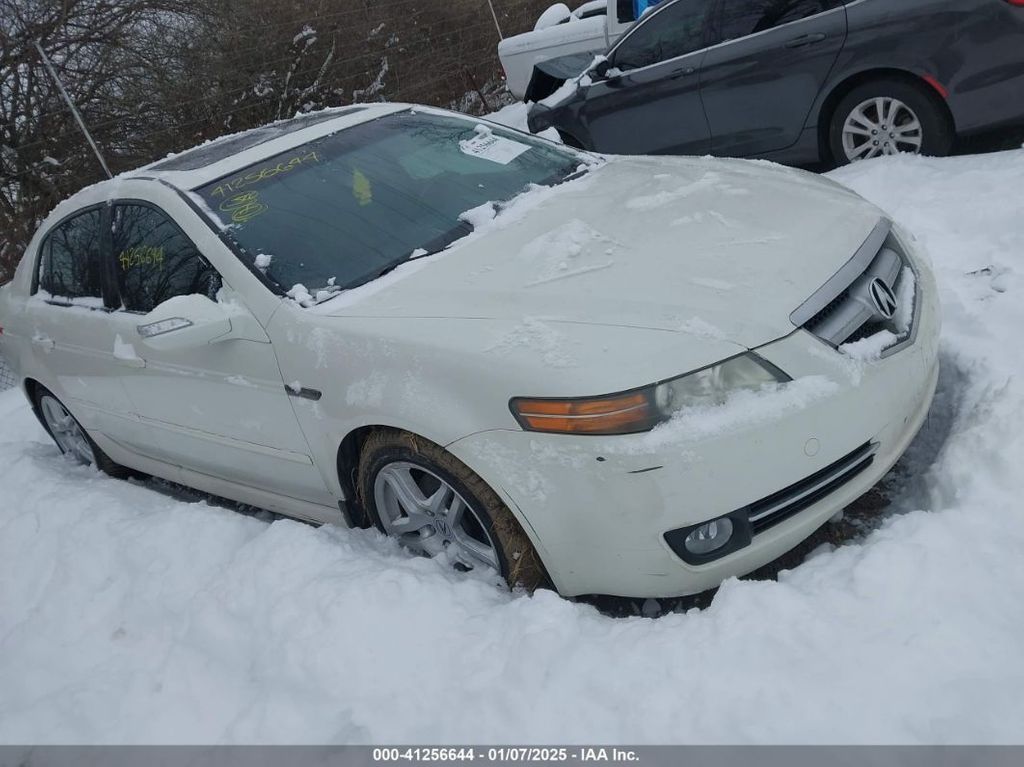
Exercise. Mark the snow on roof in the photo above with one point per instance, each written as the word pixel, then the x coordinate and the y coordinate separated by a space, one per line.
pixel 227 154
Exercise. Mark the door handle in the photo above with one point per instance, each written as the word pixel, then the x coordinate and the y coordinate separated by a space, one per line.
pixel 800 42
pixel 130 362
pixel 43 342
pixel 685 71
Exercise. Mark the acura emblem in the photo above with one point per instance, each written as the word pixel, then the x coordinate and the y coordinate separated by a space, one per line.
pixel 883 298
pixel 443 529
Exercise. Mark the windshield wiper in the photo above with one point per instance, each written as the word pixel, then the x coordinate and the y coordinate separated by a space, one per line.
pixel 578 173
pixel 436 245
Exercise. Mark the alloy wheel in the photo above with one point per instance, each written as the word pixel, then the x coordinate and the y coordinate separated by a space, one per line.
pixel 66 431
pixel 429 517
pixel 881 126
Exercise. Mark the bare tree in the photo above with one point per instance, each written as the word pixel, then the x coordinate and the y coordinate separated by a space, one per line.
pixel 154 76
pixel 100 48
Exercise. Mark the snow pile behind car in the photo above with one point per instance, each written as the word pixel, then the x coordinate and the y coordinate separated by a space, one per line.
pixel 129 615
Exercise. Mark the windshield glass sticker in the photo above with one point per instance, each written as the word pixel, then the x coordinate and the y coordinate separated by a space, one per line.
pixel 487 146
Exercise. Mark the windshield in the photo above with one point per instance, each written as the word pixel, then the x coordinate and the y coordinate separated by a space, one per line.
pixel 344 209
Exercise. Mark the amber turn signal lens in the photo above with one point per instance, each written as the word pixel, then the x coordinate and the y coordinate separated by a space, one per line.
pixel 618 414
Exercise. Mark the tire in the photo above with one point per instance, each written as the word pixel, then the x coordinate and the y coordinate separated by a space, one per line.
pixel 390 458
pixel 69 435
pixel 858 112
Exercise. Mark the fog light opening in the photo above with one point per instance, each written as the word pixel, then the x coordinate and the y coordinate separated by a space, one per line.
pixel 709 537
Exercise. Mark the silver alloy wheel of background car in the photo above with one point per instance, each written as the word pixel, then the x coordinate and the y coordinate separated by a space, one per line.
pixel 429 517
pixel 881 126
pixel 66 431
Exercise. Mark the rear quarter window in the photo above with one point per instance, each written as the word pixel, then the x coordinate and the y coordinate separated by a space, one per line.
pixel 70 258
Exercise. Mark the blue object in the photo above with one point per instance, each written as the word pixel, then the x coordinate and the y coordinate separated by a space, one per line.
pixel 639 6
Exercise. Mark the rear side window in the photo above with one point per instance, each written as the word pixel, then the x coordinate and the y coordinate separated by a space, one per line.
pixel 70 266
pixel 739 18
pixel 675 30
pixel 155 261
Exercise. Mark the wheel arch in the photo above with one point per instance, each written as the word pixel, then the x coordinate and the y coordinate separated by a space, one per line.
pixel 348 460
pixel 347 463
pixel 840 89
pixel 32 387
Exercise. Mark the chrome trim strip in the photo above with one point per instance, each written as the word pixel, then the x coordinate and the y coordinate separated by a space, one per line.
pixel 851 462
pixel 661 6
pixel 845 277
pixel 237 444
pixel 915 321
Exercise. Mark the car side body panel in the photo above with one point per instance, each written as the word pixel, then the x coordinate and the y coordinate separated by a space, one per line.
pixel 971 49
pixel 222 410
pixel 662 101
pixel 776 75
pixel 967 53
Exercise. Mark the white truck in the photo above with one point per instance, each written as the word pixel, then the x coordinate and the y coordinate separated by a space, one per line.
pixel 563 43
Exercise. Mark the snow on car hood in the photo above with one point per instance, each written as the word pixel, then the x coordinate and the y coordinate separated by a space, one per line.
pixel 721 249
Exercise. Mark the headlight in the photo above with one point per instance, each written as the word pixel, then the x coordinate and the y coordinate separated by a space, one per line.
pixel 712 385
pixel 643 409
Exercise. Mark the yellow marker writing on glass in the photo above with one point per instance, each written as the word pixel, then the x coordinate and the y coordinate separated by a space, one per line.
pixel 244 207
pixel 141 255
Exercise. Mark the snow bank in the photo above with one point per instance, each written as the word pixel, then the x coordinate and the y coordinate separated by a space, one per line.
pixel 130 615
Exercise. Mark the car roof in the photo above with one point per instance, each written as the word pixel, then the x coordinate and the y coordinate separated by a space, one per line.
pixel 225 155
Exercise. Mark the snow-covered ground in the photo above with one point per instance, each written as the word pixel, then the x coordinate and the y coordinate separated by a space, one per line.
pixel 130 615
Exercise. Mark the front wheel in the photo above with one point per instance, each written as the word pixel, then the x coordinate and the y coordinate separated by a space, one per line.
pixel 887 117
pixel 434 505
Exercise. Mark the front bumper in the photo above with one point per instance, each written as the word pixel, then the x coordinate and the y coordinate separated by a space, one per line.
pixel 598 508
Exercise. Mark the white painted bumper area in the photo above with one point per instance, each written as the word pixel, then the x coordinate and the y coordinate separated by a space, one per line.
pixel 599 525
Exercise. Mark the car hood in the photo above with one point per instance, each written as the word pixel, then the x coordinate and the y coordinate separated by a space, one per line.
pixel 723 249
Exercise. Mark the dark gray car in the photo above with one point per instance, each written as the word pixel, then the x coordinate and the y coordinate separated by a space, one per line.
pixel 799 81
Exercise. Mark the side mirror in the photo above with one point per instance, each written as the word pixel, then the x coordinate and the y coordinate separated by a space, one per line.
pixel 600 70
pixel 185 322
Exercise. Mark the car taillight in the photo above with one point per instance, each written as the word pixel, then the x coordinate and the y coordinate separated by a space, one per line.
pixel 1018 3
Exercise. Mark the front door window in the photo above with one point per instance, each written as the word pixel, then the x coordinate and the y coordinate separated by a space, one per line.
pixel 674 31
pixel 155 261
pixel 740 18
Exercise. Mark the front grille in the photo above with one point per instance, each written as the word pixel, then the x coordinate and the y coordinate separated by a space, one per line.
pixel 842 310
pixel 792 500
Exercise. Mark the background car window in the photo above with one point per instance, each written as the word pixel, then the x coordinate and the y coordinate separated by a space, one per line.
pixel 155 261
pixel 675 30
pixel 631 10
pixel 739 18
pixel 71 258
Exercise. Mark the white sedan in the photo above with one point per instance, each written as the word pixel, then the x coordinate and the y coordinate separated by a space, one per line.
pixel 628 376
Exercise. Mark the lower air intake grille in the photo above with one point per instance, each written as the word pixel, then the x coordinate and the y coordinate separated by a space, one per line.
pixel 785 503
